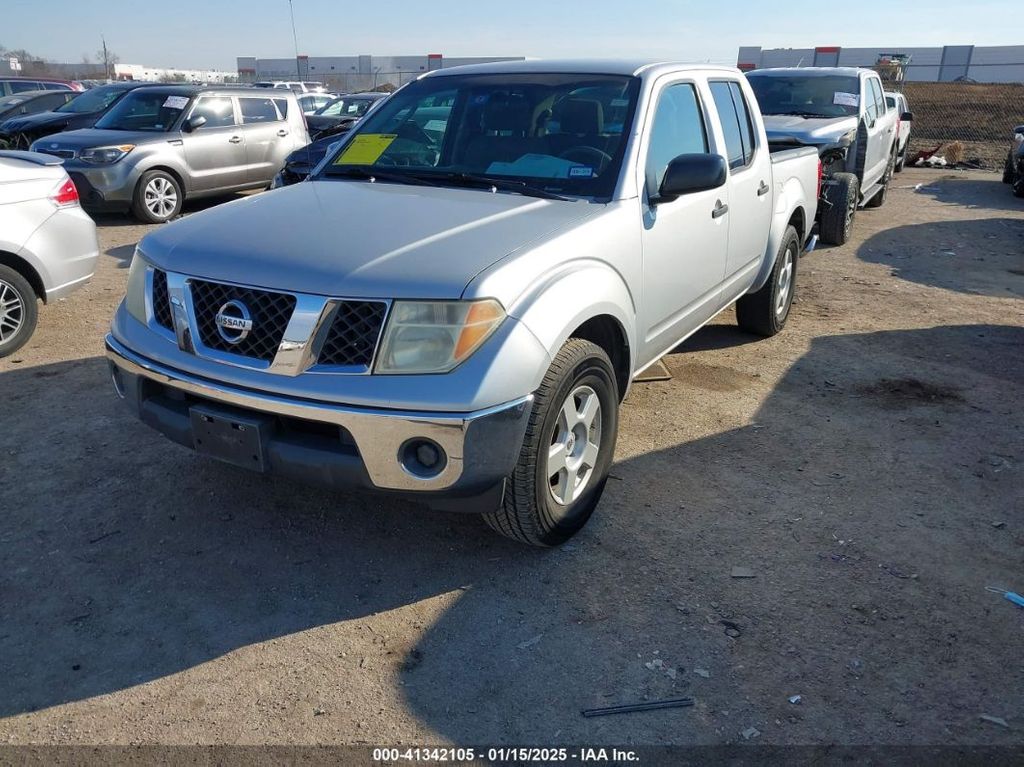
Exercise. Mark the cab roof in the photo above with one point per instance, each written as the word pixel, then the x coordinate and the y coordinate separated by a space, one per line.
pixel 628 67
pixel 811 71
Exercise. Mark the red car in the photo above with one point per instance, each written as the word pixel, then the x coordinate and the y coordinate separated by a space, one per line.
pixel 11 85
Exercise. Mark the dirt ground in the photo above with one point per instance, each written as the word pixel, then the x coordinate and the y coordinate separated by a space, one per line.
pixel 865 465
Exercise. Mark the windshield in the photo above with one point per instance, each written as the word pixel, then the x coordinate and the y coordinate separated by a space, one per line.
pixel 95 100
pixel 549 133
pixel 807 96
pixel 345 107
pixel 144 110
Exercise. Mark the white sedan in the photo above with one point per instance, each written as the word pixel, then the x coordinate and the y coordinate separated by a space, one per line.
pixel 48 245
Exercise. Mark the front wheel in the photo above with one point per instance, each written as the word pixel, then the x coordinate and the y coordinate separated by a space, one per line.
pixel 764 313
pixel 570 440
pixel 841 195
pixel 157 197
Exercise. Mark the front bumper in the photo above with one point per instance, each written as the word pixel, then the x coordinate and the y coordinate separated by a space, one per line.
pixel 104 187
pixel 337 445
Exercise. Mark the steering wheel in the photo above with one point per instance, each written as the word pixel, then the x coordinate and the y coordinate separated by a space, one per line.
pixel 586 156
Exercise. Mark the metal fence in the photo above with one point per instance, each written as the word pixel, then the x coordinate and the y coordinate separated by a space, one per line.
pixel 968 123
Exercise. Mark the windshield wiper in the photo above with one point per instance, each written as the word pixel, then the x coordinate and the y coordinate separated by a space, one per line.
pixel 372 174
pixel 505 184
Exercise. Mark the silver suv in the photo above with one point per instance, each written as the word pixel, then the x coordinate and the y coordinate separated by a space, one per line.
pixel 162 144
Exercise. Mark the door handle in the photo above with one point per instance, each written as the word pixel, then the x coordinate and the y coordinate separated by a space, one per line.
pixel 235 139
pixel 763 189
pixel 282 133
pixel 720 210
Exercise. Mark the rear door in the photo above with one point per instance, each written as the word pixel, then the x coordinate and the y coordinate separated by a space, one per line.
pixel 215 153
pixel 750 178
pixel 684 241
pixel 267 141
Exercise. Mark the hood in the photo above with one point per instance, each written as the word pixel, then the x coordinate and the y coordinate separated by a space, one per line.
pixel 34 123
pixel 309 156
pixel 358 239
pixel 318 123
pixel 91 137
pixel 807 130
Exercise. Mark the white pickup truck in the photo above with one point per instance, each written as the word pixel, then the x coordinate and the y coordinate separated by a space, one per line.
pixel 453 306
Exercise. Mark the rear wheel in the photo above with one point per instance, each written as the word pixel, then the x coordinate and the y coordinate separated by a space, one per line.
pixel 840 196
pixel 157 197
pixel 765 312
pixel 1008 169
pixel 18 311
pixel 570 440
pixel 901 159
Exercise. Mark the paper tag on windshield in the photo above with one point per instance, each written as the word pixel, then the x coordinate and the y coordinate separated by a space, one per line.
pixel 365 149
pixel 846 99
pixel 176 102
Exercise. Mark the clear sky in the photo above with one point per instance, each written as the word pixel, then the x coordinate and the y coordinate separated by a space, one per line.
pixel 195 34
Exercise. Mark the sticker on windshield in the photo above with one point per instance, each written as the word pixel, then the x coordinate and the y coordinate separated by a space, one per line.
pixel 176 102
pixel 846 99
pixel 581 171
pixel 365 149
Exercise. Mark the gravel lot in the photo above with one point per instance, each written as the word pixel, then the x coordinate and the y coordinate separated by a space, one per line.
pixel 865 465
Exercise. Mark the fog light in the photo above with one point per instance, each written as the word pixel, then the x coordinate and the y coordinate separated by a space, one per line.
pixel 423 458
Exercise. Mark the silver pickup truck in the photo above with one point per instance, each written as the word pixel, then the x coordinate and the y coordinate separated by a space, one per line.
pixel 454 305
pixel 842 112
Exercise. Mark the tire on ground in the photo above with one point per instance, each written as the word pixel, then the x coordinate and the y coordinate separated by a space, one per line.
pixel 139 207
pixel 841 198
pixel 764 313
pixel 17 308
pixel 879 199
pixel 529 512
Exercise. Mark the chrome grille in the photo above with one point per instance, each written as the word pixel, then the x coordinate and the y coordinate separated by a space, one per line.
pixel 270 315
pixel 353 334
pixel 162 300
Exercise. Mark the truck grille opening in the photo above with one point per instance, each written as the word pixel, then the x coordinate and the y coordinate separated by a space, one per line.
pixel 353 334
pixel 270 314
pixel 162 300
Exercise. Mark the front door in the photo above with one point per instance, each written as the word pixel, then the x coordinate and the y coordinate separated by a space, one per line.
pixel 684 241
pixel 215 152
pixel 879 132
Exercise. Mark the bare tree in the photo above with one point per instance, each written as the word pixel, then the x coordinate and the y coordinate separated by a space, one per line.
pixel 108 59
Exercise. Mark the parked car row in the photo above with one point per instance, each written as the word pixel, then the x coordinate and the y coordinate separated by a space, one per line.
pixel 12 85
pixel 843 113
pixel 32 102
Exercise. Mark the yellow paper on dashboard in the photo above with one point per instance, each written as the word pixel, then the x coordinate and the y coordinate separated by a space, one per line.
pixel 365 149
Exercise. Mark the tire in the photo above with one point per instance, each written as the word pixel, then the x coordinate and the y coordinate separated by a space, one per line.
pixel 581 373
pixel 1018 187
pixel 1008 169
pixel 879 199
pixel 841 197
pixel 901 159
pixel 21 142
pixel 764 313
pixel 18 311
pixel 157 197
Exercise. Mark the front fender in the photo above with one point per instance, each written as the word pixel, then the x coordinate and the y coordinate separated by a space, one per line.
pixel 565 298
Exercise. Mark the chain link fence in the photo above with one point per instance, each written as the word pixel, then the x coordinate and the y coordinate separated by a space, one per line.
pixel 966 122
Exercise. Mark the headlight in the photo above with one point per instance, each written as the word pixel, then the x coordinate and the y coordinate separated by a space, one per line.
pixel 104 155
pixel 848 137
pixel 135 297
pixel 435 336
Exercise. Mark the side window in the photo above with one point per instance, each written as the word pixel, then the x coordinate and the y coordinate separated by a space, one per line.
pixel 722 94
pixel 21 86
pixel 257 110
pixel 871 99
pixel 746 122
pixel 677 128
pixel 282 107
pixel 218 111
pixel 876 89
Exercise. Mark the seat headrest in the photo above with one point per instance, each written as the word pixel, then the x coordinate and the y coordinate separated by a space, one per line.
pixel 580 116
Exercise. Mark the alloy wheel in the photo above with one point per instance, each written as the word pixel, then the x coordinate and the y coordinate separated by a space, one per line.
pixel 160 196
pixel 12 312
pixel 575 444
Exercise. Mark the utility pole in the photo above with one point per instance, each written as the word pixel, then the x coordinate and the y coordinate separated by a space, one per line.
pixel 106 57
pixel 295 39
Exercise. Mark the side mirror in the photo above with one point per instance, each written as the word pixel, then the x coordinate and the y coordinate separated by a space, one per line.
pixel 690 173
pixel 194 123
pixel 907 117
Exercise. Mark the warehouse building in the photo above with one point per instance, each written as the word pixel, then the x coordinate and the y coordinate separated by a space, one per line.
pixel 353 73
pixel 948 63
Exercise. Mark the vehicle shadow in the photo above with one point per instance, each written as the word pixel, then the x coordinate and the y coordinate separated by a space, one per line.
pixel 984 256
pixel 130 559
pixel 983 194
pixel 122 254
pixel 112 219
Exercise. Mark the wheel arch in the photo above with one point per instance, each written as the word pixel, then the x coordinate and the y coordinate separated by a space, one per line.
pixel 169 170
pixel 26 270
